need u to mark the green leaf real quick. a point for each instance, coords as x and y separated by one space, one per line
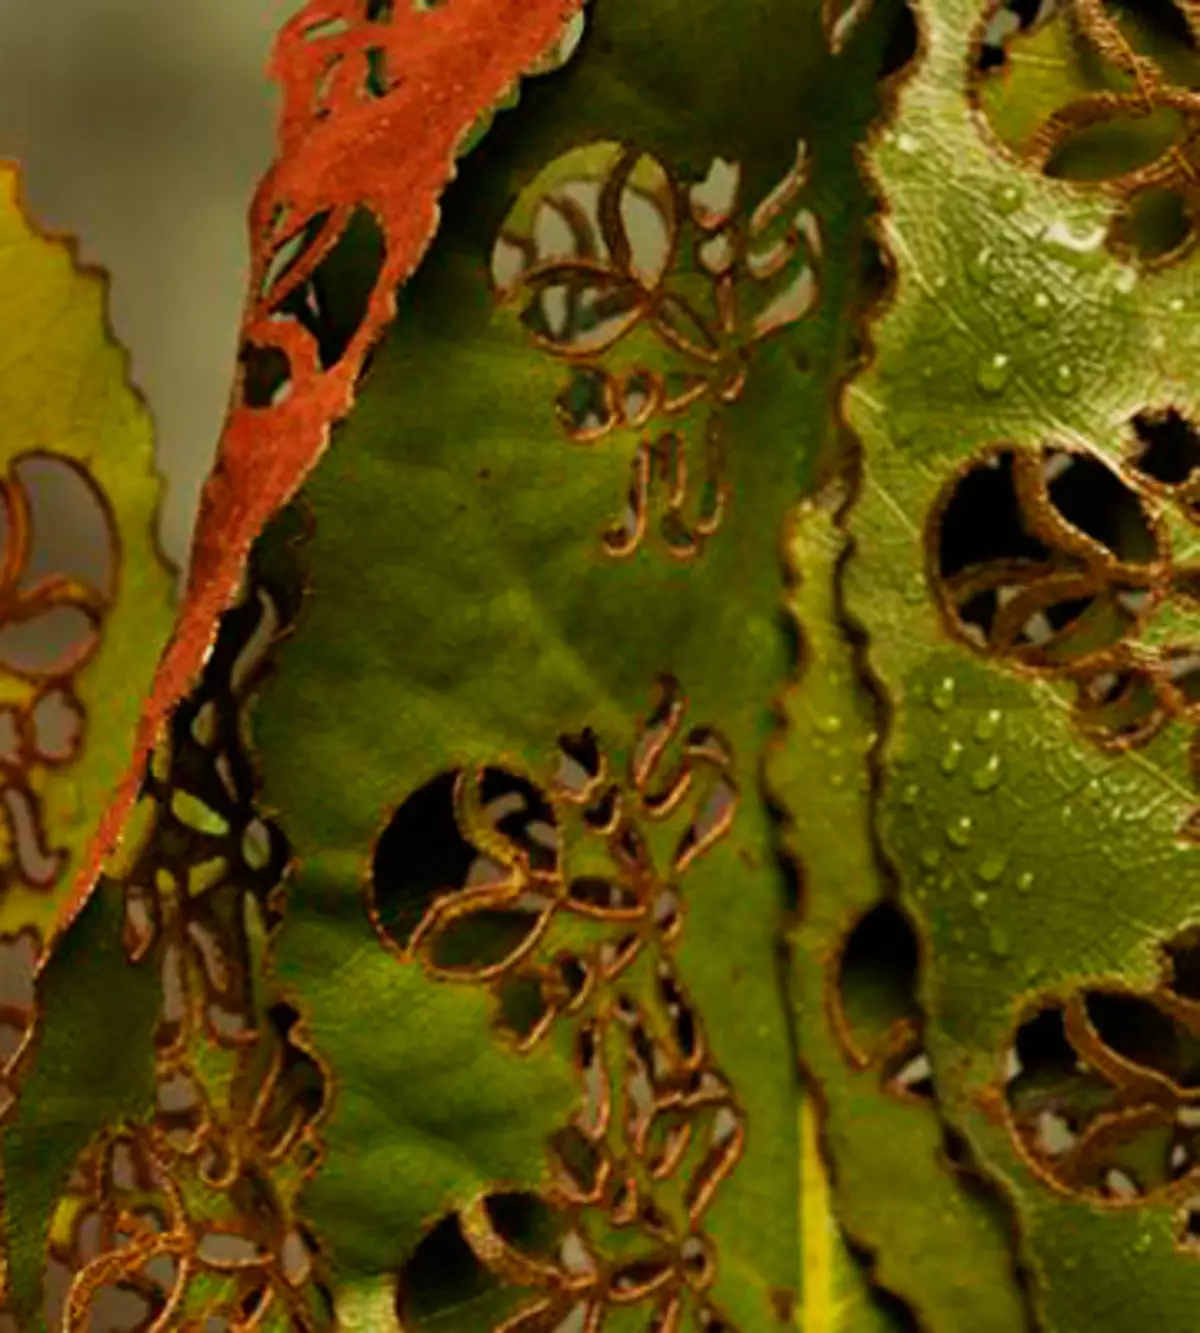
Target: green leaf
87 593
938 1239
1022 426
518 724
88 1067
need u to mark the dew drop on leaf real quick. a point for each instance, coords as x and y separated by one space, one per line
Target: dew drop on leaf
993 373
987 778
942 695
1039 310
1009 198
950 759
979 267
958 833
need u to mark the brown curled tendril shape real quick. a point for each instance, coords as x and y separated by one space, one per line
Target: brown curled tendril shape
140 1240
1140 88
657 295
583 923
50 628
1102 1091
191 1217
1060 565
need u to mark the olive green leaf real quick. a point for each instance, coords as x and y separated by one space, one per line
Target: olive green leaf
534 924
86 593
1025 536
198 1107
89 1067
937 1239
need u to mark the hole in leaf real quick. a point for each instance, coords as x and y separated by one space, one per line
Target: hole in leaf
1183 955
419 856
266 377
1027 549
442 1273
901 45
1155 223
332 302
72 531
1115 146
877 976
1137 1029
1169 446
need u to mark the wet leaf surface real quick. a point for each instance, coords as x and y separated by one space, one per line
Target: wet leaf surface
939 1238
1018 572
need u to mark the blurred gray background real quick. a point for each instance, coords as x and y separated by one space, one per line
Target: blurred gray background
142 127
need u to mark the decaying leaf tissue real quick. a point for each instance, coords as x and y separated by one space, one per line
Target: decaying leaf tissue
670 800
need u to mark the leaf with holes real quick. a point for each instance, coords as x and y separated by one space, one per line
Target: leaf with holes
535 920
86 605
938 1240
86 594
217 1087
1025 542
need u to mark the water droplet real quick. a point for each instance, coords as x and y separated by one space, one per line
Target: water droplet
1066 381
829 726
950 759
1025 881
998 941
958 833
931 858
1175 304
988 725
979 899
907 143
1039 310
910 795
987 778
992 867
942 694
1081 248
993 372
1009 198
979 266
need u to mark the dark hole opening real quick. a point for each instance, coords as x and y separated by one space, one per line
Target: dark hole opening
983 521
901 43
877 978
1170 446
1092 498
1141 1032
442 1272
332 304
265 372
1184 957
419 856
